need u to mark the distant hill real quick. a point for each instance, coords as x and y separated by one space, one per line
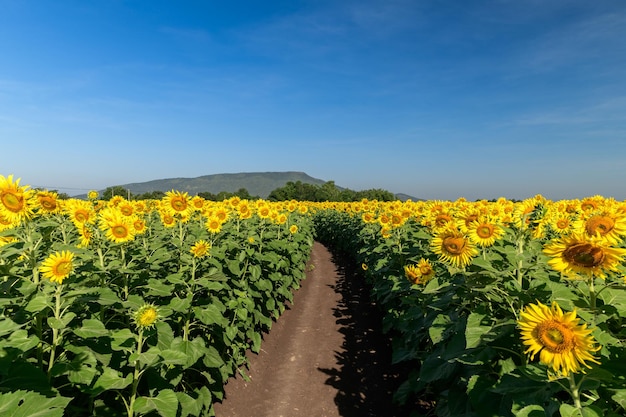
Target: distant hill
257 183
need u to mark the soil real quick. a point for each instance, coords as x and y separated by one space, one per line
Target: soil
326 356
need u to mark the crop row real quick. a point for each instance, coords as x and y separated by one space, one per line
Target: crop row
124 308
498 308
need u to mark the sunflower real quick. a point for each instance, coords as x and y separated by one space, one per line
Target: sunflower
560 340
48 203
293 229
576 254
80 212
146 316
16 203
453 247
419 273
176 202
117 227
92 194
200 249
607 225
57 266
484 232
139 225
213 224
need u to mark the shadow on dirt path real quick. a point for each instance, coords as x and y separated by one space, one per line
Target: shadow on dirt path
364 376
325 356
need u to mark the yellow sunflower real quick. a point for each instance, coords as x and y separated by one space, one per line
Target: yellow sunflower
484 232
419 273
607 225
117 227
576 254
16 203
213 224
176 202
562 342
293 229
92 194
453 247
146 316
80 212
48 203
200 249
58 266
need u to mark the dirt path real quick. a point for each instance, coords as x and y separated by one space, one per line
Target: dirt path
324 357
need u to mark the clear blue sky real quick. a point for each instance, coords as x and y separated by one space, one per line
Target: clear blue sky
436 99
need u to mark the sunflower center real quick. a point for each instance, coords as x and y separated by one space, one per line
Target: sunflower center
12 201
442 219
81 216
555 336
48 204
147 317
119 231
484 231
599 224
425 269
584 255
454 245
562 224
63 268
179 204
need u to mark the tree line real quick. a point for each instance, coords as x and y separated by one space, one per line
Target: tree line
290 191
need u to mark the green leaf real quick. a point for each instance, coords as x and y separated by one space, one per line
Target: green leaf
181 305
123 339
211 314
107 297
166 404
567 410
91 328
21 340
474 330
111 379
173 357
212 358
531 411
439 325
37 304
7 326
31 404
620 397
62 322
158 288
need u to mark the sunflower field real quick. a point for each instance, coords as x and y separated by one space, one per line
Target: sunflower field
499 308
127 308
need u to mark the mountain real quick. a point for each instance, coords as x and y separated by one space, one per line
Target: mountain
257 183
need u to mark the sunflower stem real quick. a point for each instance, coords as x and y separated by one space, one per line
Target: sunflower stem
592 299
136 376
575 393
55 330
520 262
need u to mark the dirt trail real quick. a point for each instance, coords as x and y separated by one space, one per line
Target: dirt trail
324 357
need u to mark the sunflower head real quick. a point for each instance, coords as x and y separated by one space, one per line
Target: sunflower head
200 249
293 229
146 316
419 273
562 342
58 266
577 254
453 247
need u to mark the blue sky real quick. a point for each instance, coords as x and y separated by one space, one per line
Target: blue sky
436 99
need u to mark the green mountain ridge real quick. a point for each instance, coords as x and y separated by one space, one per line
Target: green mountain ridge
257 183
